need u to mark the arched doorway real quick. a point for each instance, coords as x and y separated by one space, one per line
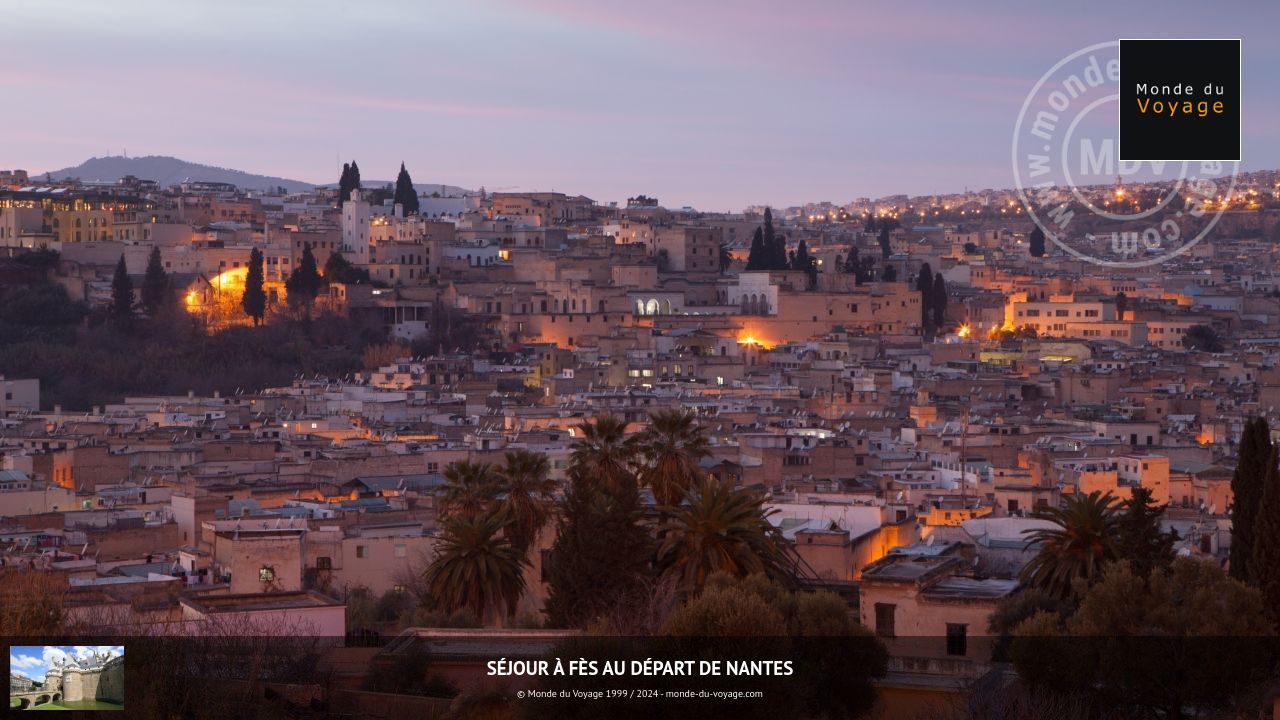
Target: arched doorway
42 699
57 697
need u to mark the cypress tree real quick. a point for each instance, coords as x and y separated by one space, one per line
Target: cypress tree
1265 564
344 183
405 195
924 285
775 248
939 300
155 284
1246 488
121 307
304 282
756 259
889 274
355 176
1036 242
254 300
885 249
1140 541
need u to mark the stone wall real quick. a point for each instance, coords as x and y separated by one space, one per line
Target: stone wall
106 683
111 681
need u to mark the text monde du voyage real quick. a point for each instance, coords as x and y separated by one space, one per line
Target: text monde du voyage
1179 99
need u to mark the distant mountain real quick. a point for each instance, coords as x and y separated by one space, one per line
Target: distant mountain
168 171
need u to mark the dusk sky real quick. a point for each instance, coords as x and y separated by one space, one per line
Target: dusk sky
712 104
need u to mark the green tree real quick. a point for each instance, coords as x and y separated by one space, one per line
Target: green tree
469 488
775 246
406 196
254 299
1190 637
155 284
970 249
1203 338
671 448
526 495
938 300
121 306
720 529
924 285
729 609
602 555
1246 489
601 454
1035 242
1266 541
304 283
726 258
1139 539
890 273
1083 541
1122 303
834 660
476 567
886 249
337 269
349 181
756 258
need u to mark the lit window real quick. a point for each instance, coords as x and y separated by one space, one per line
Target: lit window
267 574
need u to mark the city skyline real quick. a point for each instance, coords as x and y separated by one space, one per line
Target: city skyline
700 107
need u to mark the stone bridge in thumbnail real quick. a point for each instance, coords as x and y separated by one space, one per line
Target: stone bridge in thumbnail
33 697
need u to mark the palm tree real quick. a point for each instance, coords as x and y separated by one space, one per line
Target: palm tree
476 566
720 529
1083 541
602 454
671 447
469 488
526 495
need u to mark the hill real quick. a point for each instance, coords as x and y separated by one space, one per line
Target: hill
168 171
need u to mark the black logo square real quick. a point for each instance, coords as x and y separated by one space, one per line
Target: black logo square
1180 100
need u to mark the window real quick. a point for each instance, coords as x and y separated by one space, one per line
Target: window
324 563
399 551
267 574
957 639
360 551
884 619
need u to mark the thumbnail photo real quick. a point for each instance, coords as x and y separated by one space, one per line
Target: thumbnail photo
66 677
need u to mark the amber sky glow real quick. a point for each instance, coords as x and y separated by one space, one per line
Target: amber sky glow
712 104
